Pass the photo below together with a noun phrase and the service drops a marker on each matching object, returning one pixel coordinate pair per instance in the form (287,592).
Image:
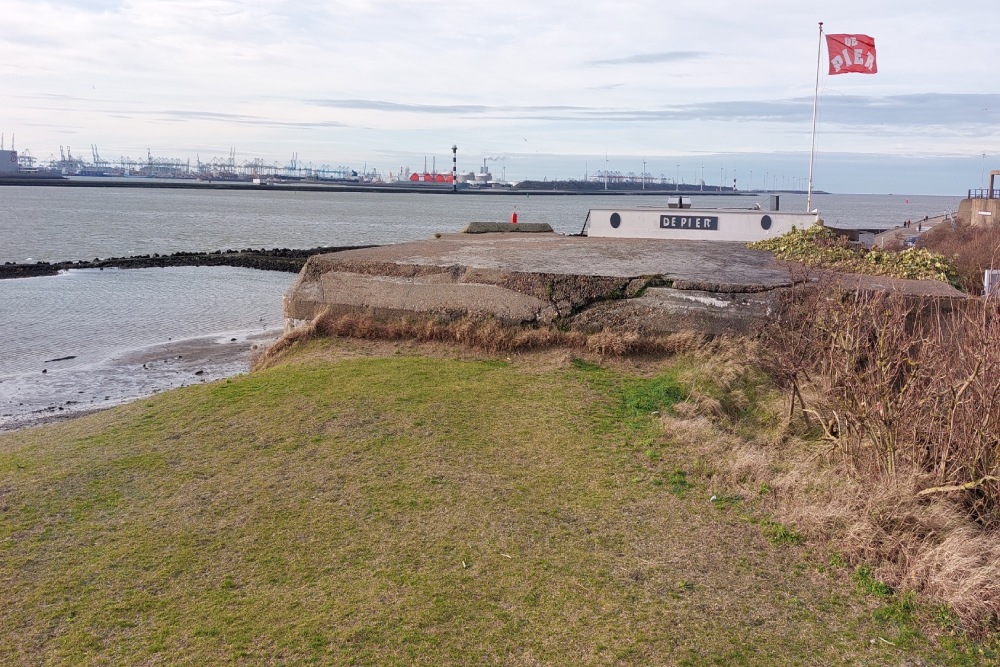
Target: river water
(133,332)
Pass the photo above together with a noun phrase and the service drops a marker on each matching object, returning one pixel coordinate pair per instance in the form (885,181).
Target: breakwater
(277,259)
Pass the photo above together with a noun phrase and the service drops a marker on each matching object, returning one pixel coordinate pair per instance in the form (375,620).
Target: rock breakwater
(276,259)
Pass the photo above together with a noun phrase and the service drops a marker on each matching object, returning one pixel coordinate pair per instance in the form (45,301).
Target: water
(92,314)
(90,338)
(53,224)
(135,332)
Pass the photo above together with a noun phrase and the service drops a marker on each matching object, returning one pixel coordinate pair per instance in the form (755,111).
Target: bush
(972,250)
(903,383)
(819,246)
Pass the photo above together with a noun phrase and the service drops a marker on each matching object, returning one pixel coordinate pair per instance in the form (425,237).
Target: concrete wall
(979,211)
(570,282)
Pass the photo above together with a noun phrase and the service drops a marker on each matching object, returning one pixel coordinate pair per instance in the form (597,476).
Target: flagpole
(812,150)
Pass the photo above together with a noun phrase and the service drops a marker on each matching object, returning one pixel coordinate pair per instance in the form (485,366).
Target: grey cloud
(954,112)
(934,109)
(240,119)
(55,96)
(651,58)
(734,110)
(446,109)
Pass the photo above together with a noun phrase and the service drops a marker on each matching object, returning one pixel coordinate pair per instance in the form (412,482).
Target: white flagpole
(812,150)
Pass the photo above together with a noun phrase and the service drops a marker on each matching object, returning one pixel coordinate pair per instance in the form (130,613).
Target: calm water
(91,338)
(51,224)
(102,317)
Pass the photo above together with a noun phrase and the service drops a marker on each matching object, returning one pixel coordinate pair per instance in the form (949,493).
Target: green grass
(869,584)
(400,511)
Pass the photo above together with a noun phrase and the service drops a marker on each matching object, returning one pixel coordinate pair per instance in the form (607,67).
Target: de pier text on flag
(851,53)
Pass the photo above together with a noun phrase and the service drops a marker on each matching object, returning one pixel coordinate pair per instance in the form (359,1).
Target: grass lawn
(411,510)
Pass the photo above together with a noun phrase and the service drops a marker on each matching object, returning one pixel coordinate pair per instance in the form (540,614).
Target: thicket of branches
(899,384)
(972,250)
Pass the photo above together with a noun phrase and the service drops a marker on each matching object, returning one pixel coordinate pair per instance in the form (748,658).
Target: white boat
(679,221)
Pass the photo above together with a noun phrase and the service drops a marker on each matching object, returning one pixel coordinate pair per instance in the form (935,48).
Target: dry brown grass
(926,545)
(888,398)
(973,249)
(483,334)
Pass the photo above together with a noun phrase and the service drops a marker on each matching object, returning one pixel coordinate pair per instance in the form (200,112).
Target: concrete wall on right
(979,211)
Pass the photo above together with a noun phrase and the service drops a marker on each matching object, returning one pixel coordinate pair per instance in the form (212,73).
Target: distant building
(8,162)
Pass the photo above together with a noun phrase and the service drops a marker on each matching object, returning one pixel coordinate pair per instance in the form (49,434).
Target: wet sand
(54,394)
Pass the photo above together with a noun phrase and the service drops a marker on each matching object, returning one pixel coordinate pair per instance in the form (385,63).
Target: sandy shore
(56,394)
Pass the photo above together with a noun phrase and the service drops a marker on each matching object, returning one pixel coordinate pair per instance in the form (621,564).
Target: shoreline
(126,376)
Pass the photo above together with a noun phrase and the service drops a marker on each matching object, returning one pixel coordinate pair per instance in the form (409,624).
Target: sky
(538,89)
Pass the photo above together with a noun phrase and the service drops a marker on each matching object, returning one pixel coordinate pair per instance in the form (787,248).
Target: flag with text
(851,53)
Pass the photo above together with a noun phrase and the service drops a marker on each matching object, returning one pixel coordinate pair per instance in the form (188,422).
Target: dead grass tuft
(613,343)
(484,334)
(925,546)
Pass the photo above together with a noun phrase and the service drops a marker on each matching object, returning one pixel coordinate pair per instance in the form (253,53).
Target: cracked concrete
(582,283)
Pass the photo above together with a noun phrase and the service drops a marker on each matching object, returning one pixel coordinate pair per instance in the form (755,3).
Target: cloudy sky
(552,88)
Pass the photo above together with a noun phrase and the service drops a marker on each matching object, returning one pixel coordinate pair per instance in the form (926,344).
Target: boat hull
(709,224)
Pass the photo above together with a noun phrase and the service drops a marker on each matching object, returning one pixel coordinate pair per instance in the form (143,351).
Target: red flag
(851,53)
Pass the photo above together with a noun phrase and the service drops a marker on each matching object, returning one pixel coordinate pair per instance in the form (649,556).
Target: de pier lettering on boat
(709,223)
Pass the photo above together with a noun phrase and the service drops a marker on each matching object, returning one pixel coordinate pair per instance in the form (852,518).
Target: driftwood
(968,486)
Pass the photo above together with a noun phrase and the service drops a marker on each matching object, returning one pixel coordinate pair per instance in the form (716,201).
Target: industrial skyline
(95,165)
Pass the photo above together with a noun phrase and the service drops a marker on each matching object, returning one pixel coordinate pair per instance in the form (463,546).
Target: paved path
(918,227)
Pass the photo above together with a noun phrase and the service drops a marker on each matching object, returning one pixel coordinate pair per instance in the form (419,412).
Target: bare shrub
(936,544)
(973,249)
(900,383)
(884,388)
